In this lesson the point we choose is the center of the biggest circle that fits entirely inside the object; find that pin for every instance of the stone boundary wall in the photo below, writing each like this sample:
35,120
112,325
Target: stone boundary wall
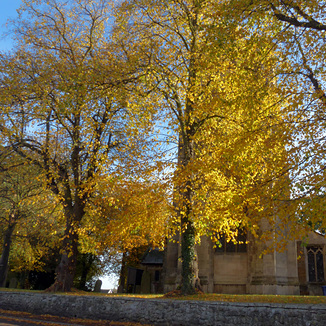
165,311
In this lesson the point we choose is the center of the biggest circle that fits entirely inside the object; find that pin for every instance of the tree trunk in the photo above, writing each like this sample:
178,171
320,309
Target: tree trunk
84,272
122,279
188,245
188,258
189,268
66,270
5,255
86,261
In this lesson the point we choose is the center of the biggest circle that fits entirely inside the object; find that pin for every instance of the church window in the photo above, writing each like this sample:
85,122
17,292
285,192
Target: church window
230,246
315,263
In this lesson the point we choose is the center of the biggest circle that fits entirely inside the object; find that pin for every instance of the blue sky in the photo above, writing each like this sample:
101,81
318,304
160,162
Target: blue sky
8,10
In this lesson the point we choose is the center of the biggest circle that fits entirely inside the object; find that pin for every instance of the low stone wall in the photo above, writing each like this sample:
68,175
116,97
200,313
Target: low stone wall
165,312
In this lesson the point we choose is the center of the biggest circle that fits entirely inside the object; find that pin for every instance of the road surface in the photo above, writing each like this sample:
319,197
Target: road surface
15,318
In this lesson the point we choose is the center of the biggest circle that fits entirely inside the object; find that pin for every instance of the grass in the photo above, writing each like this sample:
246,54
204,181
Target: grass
251,298
255,298
242,298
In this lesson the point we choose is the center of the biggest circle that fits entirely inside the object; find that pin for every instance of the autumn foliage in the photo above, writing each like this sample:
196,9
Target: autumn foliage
149,118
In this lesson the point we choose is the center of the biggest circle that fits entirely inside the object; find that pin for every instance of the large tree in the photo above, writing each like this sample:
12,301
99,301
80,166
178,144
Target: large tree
213,78
64,107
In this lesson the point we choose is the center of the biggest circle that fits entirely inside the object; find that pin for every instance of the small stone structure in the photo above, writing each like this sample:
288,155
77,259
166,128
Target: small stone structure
147,277
97,287
165,312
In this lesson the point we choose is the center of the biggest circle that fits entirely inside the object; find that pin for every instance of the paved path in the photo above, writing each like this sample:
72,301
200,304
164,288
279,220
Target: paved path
15,318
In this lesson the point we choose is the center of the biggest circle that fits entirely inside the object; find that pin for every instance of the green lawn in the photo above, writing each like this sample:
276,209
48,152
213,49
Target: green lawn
295,299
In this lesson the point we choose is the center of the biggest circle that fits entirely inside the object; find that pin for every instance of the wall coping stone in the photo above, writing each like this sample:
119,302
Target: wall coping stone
165,311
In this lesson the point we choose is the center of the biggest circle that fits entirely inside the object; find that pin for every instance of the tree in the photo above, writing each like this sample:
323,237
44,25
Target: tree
204,65
300,45
20,188
36,246
65,108
308,14
88,267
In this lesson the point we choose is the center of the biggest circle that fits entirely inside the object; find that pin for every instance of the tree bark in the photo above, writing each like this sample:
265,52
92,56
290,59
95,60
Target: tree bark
66,270
86,261
122,279
189,267
188,257
5,254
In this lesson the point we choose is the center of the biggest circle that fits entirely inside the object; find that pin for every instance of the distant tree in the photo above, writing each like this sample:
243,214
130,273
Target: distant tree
88,267
21,191
36,242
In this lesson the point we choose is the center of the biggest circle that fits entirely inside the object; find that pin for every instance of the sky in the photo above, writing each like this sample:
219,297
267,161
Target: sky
8,10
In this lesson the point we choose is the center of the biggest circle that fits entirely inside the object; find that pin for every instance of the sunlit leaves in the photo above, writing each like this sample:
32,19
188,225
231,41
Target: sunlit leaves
213,72
67,108
30,210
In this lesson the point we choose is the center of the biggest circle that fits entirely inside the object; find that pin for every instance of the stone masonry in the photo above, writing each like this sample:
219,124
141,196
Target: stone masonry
165,311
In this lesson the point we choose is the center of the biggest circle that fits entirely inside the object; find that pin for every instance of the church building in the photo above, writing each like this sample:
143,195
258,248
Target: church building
240,268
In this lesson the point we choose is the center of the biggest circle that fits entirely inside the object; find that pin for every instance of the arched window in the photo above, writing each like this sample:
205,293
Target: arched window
316,263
